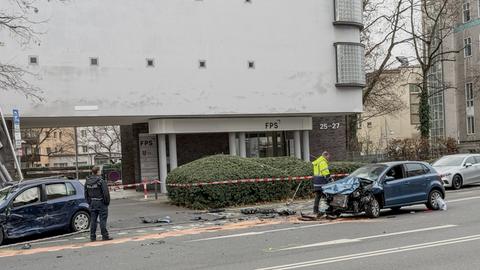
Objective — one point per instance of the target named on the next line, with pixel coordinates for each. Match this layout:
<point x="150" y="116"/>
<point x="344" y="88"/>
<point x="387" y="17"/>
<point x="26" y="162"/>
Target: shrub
<point x="223" y="167"/>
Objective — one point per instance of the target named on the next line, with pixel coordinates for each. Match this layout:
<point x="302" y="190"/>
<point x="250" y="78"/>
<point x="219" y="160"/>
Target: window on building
<point x="60" y="164"/>
<point x="268" y="144"/>
<point x="49" y="150"/>
<point x="469" y="95"/>
<point x="93" y="61"/>
<point x="84" y="149"/>
<point x="251" y="64"/>
<point x="467" y="50"/>
<point x="55" y="135"/>
<point x="150" y="62"/>
<point x="202" y="64"/>
<point x="33" y="60"/>
<point x="369" y="125"/>
<point x="348" y="12"/>
<point x="248" y="1"/>
<point x="350" y="64"/>
<point x="83" y="133"/>
<point x="470" y="124"/>
<point x="466" y="12"/>
<point x="414" y="104"/>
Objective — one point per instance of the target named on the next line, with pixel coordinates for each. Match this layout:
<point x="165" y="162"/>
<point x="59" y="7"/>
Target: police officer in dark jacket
<point x="98" y="197"/>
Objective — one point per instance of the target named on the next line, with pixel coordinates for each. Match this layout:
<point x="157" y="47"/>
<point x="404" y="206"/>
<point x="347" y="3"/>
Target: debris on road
<point x="27" y="246"/>
<point x="220" y="210"/>
<point x="165" y="220"/>
<point x="159" y="242"/>
<point x="268" y="211"/>
<point x="442" y="205"/>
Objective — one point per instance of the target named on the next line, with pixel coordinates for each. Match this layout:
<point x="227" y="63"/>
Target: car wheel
<point x="80" y="221"/>
<point x="432" y="203"/>
<point x="457" y="182"/>
<point x="396" y="209"/>
<point x="373" y="208"/>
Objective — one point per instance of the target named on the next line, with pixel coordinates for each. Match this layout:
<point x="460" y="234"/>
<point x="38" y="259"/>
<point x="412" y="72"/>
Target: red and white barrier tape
<point x="253" y="180"/>
<point x="114" y="186"/>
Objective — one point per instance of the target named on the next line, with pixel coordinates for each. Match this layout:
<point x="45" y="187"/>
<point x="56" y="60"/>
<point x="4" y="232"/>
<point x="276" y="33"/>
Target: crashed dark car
<point x="37" y="206"/>
<point x="385" y="185"/>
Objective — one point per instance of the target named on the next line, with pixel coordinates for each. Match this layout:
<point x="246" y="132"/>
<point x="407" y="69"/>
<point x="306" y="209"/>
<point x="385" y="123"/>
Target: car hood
<point x="343" y="186"/>
<point x="446" y="169"/>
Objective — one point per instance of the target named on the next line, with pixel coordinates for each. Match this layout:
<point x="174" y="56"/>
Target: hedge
<point x="223" y="167"/>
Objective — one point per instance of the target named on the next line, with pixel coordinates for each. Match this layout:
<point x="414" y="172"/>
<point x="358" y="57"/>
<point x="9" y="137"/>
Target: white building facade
<point x="256" y="78"/>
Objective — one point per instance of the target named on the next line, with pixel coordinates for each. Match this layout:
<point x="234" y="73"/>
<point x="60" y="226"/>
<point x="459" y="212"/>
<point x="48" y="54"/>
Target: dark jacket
<point x="96" y="188"/>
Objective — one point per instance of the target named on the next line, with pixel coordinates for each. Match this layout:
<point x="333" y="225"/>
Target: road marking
<point x="141" y="231"/>
<point x="159" y="229"/>
<point x="344" y="241"/>
<point x="262" y="232"/>
<point x="463" y="199"/>
<point x="380" y="252"/>
<point x="122" y="233"/>
<point x="79" y="238"/>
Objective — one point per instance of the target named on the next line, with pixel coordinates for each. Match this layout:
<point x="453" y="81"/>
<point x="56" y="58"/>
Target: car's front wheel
<point x="457" y="182"/>
<point x="372" y="209"/>
<point x="433" y="197"/>
<point x="80" y="221"/>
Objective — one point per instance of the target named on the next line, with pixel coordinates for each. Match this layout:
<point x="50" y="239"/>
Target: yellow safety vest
<point x="320" y="167"/>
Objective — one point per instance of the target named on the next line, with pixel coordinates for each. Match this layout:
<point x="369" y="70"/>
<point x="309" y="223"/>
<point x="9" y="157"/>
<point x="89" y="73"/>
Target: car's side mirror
<point x="468" y="165"/>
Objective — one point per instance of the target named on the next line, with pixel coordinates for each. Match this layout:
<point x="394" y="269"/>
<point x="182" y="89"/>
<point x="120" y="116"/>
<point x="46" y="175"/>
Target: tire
<point x="80" y="221"/>
<point x="457" y="182"/>
<point x="396" y="209"/>
<point x="373" y="208"/>
<point x="432" y="199"/>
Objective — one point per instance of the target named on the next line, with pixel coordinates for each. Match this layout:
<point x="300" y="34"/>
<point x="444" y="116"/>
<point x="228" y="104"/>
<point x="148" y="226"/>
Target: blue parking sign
<point x="16" y="116"/>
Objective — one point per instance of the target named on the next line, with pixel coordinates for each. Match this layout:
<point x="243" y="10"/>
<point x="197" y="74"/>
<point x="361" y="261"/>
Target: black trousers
<point x="318" y="196"/>
<point x="98" y="209"/>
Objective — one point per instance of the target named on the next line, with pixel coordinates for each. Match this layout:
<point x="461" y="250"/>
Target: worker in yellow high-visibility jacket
<point x="321" y="176"/>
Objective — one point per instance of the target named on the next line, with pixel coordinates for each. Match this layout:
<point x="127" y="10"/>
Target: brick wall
<point x="130" y="152"/>
<point x="332" y="140"/>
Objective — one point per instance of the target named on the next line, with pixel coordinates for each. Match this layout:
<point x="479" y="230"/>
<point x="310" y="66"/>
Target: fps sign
<point x="148" y="156"/>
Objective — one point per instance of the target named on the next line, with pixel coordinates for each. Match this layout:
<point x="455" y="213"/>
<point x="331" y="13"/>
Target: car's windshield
<point x="4" y="193"/>
<point x="449" y="161"/>
<point x="370" y="172"/>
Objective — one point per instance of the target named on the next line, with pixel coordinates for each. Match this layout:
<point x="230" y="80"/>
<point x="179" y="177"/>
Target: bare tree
<point x="384" y="20"/>
<point x="431" y="23"/>
<point x="103" y="140"/>
<point x="53" y="141"/>
<point x="14" y="19"/>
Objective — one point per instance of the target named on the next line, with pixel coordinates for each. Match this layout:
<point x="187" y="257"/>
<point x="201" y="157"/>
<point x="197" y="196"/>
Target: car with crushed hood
<point x="385" y="185"/>
<point x="458" y="170"/>
<point x="41" y="205"/>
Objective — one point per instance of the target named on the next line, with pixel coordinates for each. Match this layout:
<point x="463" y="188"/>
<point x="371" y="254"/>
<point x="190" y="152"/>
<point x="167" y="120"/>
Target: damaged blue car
<point x="41" y="205"/>
<point x="385" y="185"/>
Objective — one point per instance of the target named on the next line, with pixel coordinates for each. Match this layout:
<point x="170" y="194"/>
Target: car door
<point x="416" y="182"/>
<point x="26" y="213"/>
<point x="58" y="205"/>
<point x="477" y="170"/>
<point x="469" y="172"/>
<point x="394" y="186"/>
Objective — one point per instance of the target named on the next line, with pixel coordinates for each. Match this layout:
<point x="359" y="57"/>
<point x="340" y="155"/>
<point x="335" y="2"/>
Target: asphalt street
<point x="412" y="239"/>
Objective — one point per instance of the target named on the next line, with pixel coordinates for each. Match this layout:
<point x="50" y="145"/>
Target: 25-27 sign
<point x="324" y="126"/>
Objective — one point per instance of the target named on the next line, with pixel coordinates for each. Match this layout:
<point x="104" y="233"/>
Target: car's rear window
<point x="415" y="169"/>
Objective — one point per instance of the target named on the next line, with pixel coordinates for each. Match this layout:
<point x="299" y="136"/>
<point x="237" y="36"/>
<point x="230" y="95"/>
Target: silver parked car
<point x="459" y="170"/>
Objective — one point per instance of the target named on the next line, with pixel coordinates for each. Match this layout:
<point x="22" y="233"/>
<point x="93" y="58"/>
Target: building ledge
<point x="348" y="23"/>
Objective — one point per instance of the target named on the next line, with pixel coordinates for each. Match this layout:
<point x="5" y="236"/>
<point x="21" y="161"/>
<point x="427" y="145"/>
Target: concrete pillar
<point x="243" y="144"/>
<point x="298" y="149"/>
<point x="232" y="143"/>
<point x="306" y="145"/>
<point x="162" y="162"/>
<point x="172" y="147"/>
